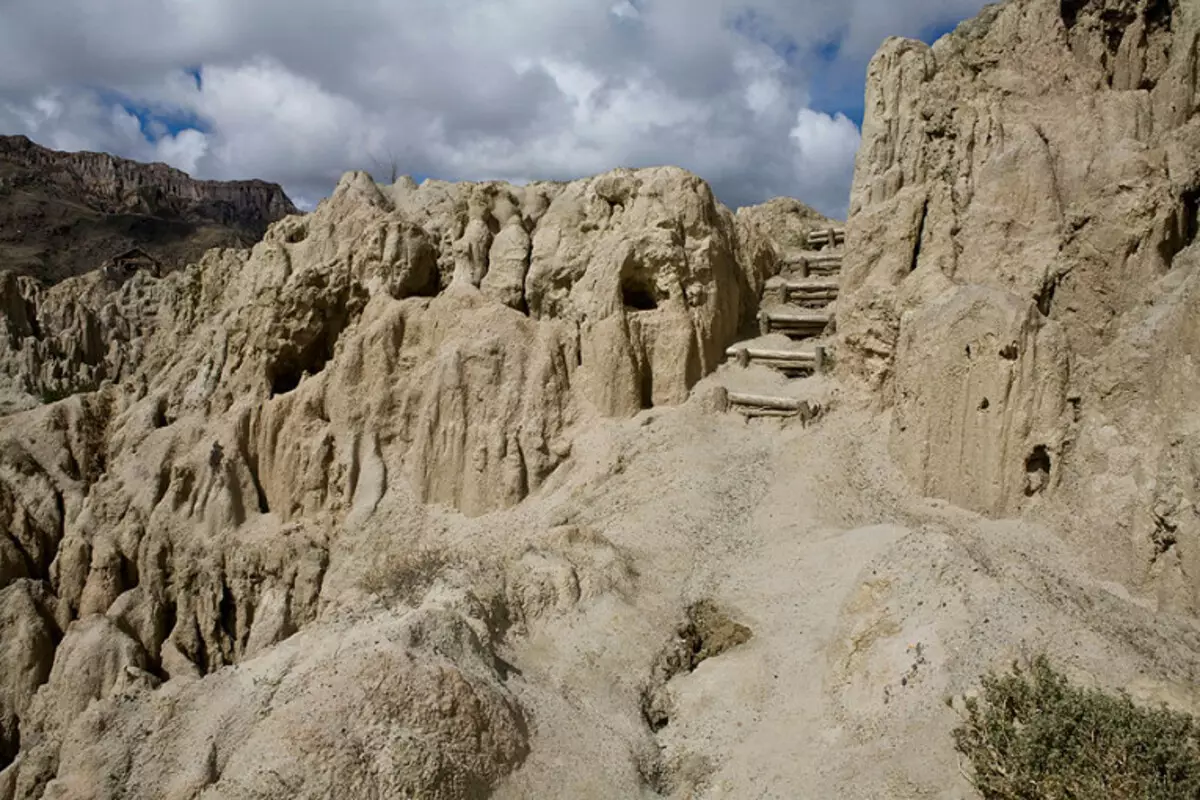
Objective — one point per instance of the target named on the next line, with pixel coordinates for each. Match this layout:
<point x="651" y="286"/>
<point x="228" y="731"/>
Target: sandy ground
<point x="868" y="607"/>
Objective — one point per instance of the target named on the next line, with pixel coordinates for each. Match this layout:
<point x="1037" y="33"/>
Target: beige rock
<point x="28" y="636"/>
<point x="396" y="706"/>
<point x="1026" y="179"/>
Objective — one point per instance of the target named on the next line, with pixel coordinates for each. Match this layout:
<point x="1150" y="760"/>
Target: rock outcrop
<point x="65" y="214"/>
<point x="1019" y="281"/>
<point x="225" y="429"/>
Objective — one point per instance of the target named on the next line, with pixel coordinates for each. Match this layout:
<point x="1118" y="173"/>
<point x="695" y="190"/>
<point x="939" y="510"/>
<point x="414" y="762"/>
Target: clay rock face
<point x="1002" y="371"/>
<point x="397" y="706"/>
<point x="433" y="344"/>
<point x="1030" y="180"/>
<point x="28" y="635"/>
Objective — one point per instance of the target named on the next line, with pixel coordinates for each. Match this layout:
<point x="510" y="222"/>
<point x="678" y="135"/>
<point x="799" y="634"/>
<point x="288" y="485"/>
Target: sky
<point x="759" y="97"/>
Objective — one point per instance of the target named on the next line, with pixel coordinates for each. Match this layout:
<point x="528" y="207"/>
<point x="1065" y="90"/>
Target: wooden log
<point x="839" y="233"/>
<point x="779" y="318"/>
<point x="819" y="358"/>
<point x="766" y="412"/>
<point x="743" y="357"/>
<point x="763" y="401"/>
<point x="764" y="323"/>
<point x="774" y="355"/>
<point x="826" y="284"/>
<point x="804" y="293"/>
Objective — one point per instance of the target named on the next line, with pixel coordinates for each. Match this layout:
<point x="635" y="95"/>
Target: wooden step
<point x="754" y="405"/>
<point x="790" y="362"/>
<point x="824" y="237"/>
<point x="807" y="294"/>
<point x="795" y="323"/>
<point x="809" y="264"/>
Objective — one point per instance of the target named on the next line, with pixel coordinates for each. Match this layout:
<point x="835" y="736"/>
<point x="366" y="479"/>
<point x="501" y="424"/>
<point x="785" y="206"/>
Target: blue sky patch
<point x="155" y="123"/>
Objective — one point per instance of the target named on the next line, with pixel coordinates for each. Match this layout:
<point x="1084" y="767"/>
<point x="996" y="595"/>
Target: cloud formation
<point x="298" y="91"/>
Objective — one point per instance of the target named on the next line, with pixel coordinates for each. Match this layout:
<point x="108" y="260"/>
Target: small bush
<point x="406" y="575"/>
<point x="1033" y="736"/>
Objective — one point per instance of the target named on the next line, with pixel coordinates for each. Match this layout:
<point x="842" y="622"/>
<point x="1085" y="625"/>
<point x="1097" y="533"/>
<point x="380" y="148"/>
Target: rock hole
<point x="968" y="351"/>
<point x="1010" y="352"/>
<point x="984" y="404"/>
<point x="637" y="295"/>
<point x="1037" y="470"/>
<point x="290" y="366"/>
<point x="1069" y="11"/>
<point x="296" y="235"/>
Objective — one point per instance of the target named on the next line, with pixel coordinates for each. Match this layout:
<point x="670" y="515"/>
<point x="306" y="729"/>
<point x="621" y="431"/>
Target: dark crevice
<point x="130" y="575"/>
<point x="1010" y="352"/>
<point x="201" y="659"/>
<point x="228" y="616"/>
<point x="159" y="418"/>
<point x="1191" y="216"/>
<point x="1184" y="226"/>
<point x="1045" y="297"/>
<point x="1164" y="537"/>
<point x="1158" y="15"/>
<point x="252" y="466"/>
<point x="916" y="254"/>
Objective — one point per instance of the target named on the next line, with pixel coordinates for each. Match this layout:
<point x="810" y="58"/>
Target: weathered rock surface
<point x="229" y="429"/>
<point x="1019" y="269"/>
<point x="395" y="706"/>
<point x="65" y="214"/>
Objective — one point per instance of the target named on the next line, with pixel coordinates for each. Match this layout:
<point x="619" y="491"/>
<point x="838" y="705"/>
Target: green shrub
<point x="1031" y="735"/>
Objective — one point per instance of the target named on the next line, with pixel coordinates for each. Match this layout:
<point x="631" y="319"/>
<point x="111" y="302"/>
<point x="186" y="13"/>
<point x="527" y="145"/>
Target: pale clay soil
<point x="868" y="607"/>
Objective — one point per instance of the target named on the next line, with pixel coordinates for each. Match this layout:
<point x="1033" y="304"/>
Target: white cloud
<point x="299" y="91"/>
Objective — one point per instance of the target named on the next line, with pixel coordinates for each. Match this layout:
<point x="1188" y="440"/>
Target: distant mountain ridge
<point x="64" y="214"/>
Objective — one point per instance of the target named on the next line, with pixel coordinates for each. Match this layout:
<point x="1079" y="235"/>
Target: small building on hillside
<point x="123" y="265"/>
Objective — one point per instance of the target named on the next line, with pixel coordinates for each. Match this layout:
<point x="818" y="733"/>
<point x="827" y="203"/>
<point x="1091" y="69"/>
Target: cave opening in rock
<point x="284" y="374"/>
<point x="637" y="295"/>
<point x="1037" y="470"/>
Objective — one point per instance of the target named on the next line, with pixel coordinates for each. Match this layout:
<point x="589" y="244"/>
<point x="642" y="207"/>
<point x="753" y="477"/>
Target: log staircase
<point x="799" y="304"/>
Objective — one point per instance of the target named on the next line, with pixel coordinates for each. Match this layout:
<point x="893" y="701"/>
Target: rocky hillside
<point x="1022" y="274"/>
<point x="65" y="214"/>
<point x="435" y="490"/>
